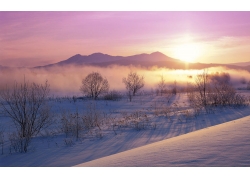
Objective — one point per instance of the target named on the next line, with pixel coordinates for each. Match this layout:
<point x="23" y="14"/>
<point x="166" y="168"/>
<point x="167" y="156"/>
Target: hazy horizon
<point x="66" y="81"/>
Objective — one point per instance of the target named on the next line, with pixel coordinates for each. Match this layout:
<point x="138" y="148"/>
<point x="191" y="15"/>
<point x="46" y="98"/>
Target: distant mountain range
<point x="241" y="64"/>
<point x="104" y="60"/>
<point x="3" y="67"/>
<point x="142" y="60"/>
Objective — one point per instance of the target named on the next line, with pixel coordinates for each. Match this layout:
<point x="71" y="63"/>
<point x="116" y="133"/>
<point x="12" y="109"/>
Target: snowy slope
<point x="221" y="145"/>
<point x="49" y="148"/>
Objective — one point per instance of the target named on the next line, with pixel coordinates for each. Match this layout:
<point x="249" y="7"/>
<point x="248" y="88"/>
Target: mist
<point x="66" y="81"/>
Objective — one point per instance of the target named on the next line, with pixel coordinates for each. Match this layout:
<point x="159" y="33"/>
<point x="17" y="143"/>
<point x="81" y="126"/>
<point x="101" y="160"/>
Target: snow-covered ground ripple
<point x="227" y="144"/>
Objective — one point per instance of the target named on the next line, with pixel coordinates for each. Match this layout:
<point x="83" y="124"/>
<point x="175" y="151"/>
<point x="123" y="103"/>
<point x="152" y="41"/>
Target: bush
<point x="92" y="117"/>
<point x="214" y="90"/>
<point x="71" y="124"/>
<point x="113" y="96"/>
<point x="17" y="143"/>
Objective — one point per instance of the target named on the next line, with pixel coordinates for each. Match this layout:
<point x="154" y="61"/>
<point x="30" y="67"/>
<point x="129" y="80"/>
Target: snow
<point x="49" y="149"/>
<point x="226" y="144"/>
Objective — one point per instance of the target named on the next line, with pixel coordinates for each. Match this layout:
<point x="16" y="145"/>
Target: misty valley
<point x="77" y="111"/>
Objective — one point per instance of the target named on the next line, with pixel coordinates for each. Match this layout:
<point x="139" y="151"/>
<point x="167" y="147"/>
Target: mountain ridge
<point x="142" y="60"/>
<point x="100" y="59"/>
<point x="247" y="63"/>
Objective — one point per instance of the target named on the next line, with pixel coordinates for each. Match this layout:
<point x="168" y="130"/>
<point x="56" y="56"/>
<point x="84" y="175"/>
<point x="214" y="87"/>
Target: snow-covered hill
<point x="221" y="145"/>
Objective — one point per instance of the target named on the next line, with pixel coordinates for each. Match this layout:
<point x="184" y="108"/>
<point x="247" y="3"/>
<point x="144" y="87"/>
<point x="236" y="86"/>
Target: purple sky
<point x="39" y="38"/>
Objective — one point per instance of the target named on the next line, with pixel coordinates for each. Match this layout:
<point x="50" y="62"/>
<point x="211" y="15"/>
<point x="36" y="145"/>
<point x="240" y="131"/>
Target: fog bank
<point x="67" y="80"/>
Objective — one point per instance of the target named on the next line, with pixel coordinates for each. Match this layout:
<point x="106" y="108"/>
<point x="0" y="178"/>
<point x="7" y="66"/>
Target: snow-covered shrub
<point x="240" y="100"/>
<point x="79" y="125"/>
<point x="214" y="90"/>
<point x="221" y="94"/>
<point x="138" y="120"/>
<point x="113" y="96"/>
<point x="98" y="134"/>
<point x="68" y="141"/>
<point x="92" y="117"/>
<point x="167" y="111"/>
<point x="156" y="109"/>
<point x="71" y="124"/>
<point x="161" y="86"/>
<point x="17" y="142"/>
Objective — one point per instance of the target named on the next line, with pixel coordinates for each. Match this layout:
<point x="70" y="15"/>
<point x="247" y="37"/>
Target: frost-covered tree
<point x="94" y="84"/>
<point x="25" y="104"/>
<point x="161" y="85"/>
<point x="174" y="90"/>
<point x="133" y="83"/>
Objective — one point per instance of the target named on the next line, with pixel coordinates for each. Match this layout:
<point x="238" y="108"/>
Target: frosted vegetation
<point x="37" y="129"/>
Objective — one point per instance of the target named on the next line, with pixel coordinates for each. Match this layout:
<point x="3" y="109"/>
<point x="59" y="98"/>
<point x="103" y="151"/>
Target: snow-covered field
<point x="159" y="118"/>
<point x="225" y="144"/>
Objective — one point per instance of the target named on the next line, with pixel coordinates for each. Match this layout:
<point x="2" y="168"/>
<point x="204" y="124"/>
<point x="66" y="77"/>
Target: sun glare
<point x="187" y="52"/>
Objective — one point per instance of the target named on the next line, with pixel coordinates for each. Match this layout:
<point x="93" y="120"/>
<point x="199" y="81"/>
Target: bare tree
<point x="94" y="84"/>
<point x="26" y="105"/>
<point x="174" y="90"/>
<point x="162" y="85"/>
<point x="201" y="84"/>
<point x="214" y="90"/>
<point x="198" y="92"/>
<point x="133" y="83"/>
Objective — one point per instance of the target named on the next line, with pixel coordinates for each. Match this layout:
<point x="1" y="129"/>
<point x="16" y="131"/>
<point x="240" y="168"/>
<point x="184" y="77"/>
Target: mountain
<point x="4" y="67"/>
<point x="241" y="63"/>
<point x="103" y="60"/>
<point x="143" y="60"/>
<point x="246" y="68"/>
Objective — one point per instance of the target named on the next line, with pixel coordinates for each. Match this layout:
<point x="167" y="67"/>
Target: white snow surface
<point x="170" y="144"/>
<point x="227" y="144"/>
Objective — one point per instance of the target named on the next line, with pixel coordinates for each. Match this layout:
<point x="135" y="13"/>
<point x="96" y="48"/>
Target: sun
<point x="188" y="52"/>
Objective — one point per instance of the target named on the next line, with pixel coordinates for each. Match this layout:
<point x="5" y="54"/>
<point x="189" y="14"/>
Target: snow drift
<point x="221" y="145"/>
